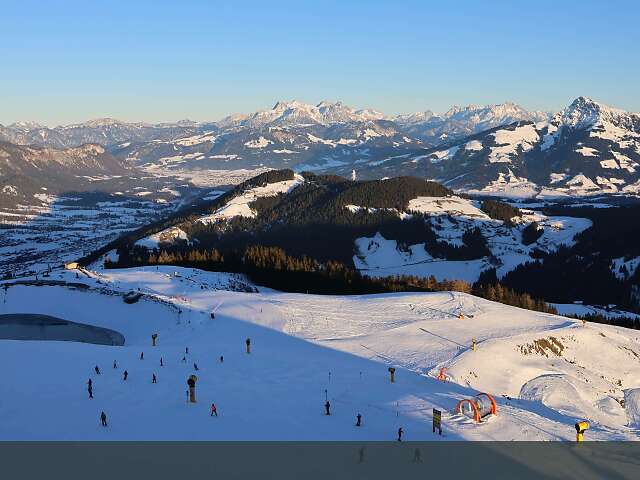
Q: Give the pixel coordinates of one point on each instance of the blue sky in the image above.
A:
(63, 62)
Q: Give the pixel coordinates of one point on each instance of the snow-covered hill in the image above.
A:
(302, 346)
(446, 220)
(450, 217)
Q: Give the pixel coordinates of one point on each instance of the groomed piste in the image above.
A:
(306, 350)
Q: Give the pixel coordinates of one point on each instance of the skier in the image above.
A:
(184, 359)
(195, 366)
(248, 342)
(186, 350)
(141, 355)
(90, 383)
(161, 362)
(221, 359)
(400, 432)
(153, 378)
(214, 410)
(213, 315)
(358, 420)
(115, 365)
(126, 374)
(97, 370)
(103, 419)
(327, 406)
(90, 390)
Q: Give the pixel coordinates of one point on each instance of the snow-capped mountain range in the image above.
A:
(586, 148)
(425, 126)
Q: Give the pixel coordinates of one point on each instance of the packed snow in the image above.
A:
(302, 346)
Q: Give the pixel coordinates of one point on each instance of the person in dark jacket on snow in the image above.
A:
(161, 362)
(115, 365)
(97, 370)
(195, 366)
(103, 419)
(125, 375)
(358, 420)
(400, 432)
(153, 378)
(90, 390)
(327, 407)
(214, 410)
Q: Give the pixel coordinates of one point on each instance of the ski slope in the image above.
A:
(301, 346)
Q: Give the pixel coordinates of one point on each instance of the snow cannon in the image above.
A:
(191, 381)
(581, 427)
(154, 337)
(478, 407)
(392, 372)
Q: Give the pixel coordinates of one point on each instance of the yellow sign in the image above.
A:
(437, 421)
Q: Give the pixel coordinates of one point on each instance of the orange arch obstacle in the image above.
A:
(478, 407)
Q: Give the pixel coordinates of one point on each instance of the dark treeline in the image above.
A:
(614, 233)
(531, 233)
(274, 268)
(500, 210)
(496, 292)
(390, 193)
(563, 277)
(490, 288)
(626, 322)
(584, 270)
(323, 217)
(187, 214)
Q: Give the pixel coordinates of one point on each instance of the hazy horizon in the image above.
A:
(355, 107)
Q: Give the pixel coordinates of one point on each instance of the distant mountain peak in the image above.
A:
(584, 112)
(26, 125)
(102, 122)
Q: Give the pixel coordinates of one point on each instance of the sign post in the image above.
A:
(437, 421)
